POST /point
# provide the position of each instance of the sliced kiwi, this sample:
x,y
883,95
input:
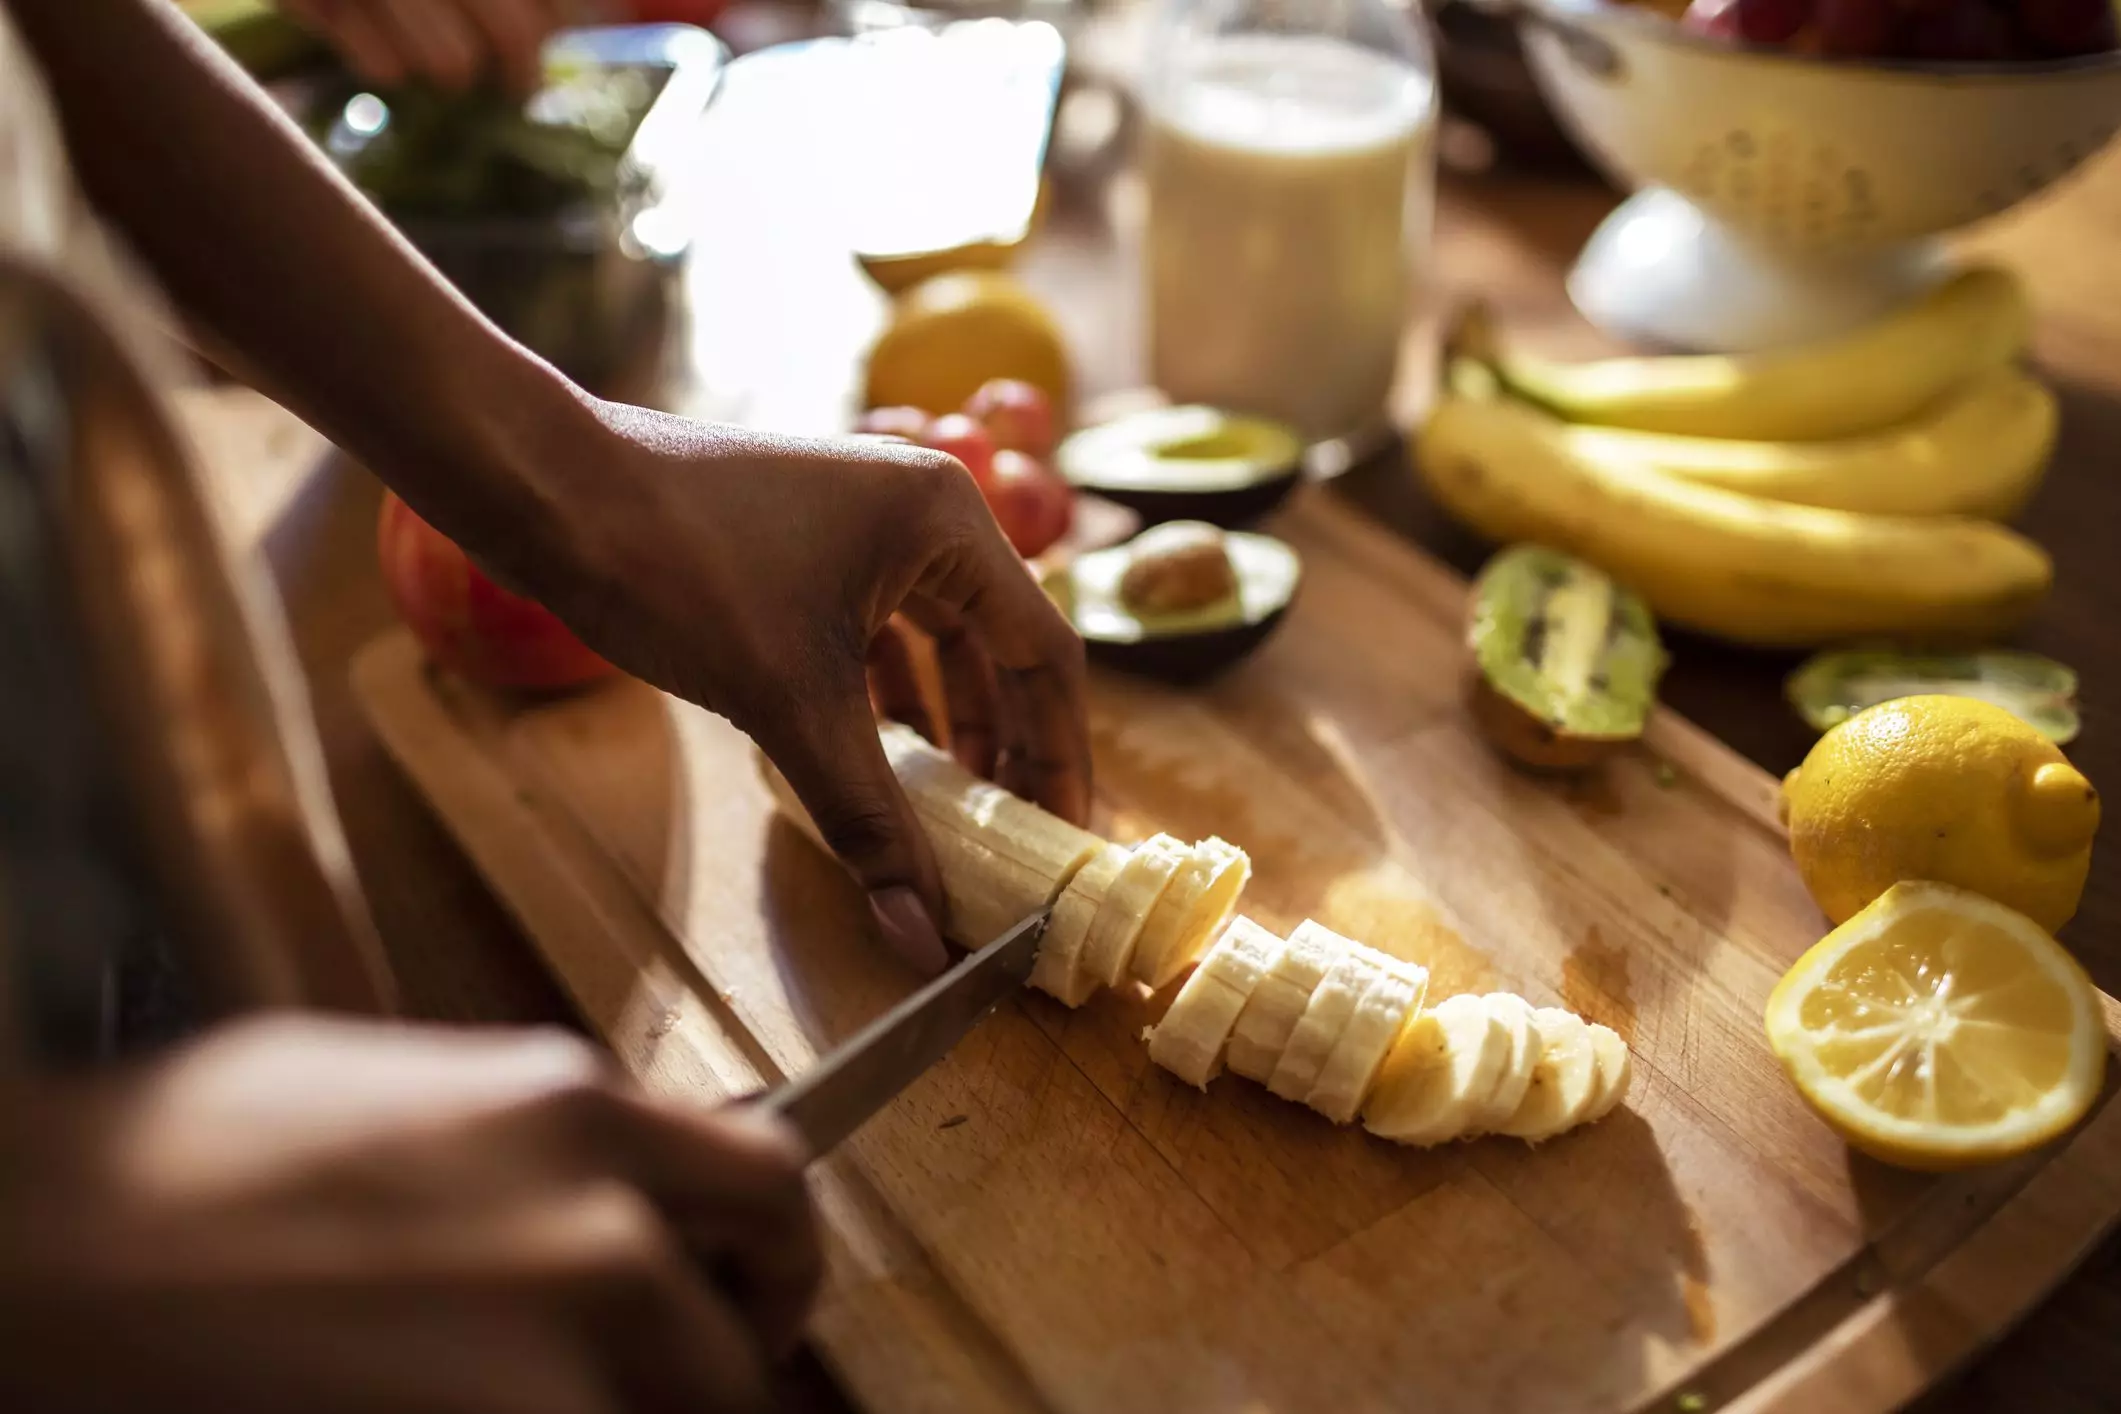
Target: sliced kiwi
x,y
1191,624
1832,687
1187,463
1565,662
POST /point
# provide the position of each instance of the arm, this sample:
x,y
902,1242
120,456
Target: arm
x,y
752,574
274,254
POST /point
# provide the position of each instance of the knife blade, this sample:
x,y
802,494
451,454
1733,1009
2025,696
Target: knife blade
x,y
836,1096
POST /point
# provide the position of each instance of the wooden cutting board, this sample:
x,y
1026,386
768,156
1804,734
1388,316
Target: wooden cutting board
x,y
1046,1221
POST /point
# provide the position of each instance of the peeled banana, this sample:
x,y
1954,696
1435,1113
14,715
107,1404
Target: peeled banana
x,y
1866,381
1362,1044
1979,452
1739,566
1189,1041
1278,1004
1058,970
1319,1018
1359,1053
1515,1077
1439,1078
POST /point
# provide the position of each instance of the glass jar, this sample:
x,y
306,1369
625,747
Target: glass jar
x,y
1289,165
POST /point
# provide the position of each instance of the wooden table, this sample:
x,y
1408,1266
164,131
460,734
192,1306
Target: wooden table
x,y
459,958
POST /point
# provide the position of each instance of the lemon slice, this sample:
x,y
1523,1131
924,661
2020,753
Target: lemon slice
x,y
1937,1029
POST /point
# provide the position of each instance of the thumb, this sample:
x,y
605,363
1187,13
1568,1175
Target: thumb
x,y
834,761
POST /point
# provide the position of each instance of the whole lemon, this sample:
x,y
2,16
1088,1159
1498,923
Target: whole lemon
x,y
952,333
1949,789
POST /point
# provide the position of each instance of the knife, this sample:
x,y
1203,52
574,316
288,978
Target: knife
x,y
837,1096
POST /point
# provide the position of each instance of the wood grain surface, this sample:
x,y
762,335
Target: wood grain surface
x,y
1116,1241
1505,235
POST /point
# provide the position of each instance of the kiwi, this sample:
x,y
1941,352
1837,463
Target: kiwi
x,y
1564,663
1832,687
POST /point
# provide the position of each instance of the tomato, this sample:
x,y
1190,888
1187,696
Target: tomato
x,y
1033,506
1018,415
966,440
468,623
909,423
674,12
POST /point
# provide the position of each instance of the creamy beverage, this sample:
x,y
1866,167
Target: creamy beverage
x,y
1289,181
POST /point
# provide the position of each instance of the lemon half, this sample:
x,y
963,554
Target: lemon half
x,y
1937,1029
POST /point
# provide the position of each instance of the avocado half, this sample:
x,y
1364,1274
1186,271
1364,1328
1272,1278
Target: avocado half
x,y
1187,463
1565,662
1182,646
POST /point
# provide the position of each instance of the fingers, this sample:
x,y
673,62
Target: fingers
x,y
667,1339
828,749
515,32
433,39
895,682
365,45
1038,667
731,1182
968,682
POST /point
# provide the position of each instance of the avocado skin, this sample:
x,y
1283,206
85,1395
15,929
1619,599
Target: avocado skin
x,y
1232,510
1184,659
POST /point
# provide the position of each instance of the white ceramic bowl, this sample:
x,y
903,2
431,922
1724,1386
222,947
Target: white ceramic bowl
x,y
1782,196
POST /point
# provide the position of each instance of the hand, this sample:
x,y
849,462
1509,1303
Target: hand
x,y
448,43
757,575
342,1218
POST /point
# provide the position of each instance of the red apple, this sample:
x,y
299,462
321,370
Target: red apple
x,y
965,439
1033,506
1018,414
908,423
468,623
1716,19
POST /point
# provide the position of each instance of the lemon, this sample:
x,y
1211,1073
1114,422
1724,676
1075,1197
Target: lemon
x,y
1937,1029
1944,788
951,333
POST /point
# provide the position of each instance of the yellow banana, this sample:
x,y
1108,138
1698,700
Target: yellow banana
x,y
1861,382
1980,452
1754,570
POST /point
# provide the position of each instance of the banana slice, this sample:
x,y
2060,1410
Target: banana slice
x,y
1058,970
1440,1072
1392,1000
1201,897
1515,1014
1563,1079
1616,1066
1125,912
1000,857
1327,1014
1188,1042
1278,1004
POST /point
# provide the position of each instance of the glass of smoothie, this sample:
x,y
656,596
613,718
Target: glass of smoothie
x,y
1290,173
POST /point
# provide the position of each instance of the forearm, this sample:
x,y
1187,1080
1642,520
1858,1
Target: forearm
x,y
277,258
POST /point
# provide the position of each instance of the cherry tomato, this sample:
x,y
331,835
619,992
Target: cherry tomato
x,y
465,621
1019,415
909,423
964,439
1033,506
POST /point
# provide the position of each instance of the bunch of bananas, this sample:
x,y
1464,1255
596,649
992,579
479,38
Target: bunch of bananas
x,y
1846,489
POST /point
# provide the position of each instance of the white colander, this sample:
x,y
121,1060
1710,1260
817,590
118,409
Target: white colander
x,y
1781,196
